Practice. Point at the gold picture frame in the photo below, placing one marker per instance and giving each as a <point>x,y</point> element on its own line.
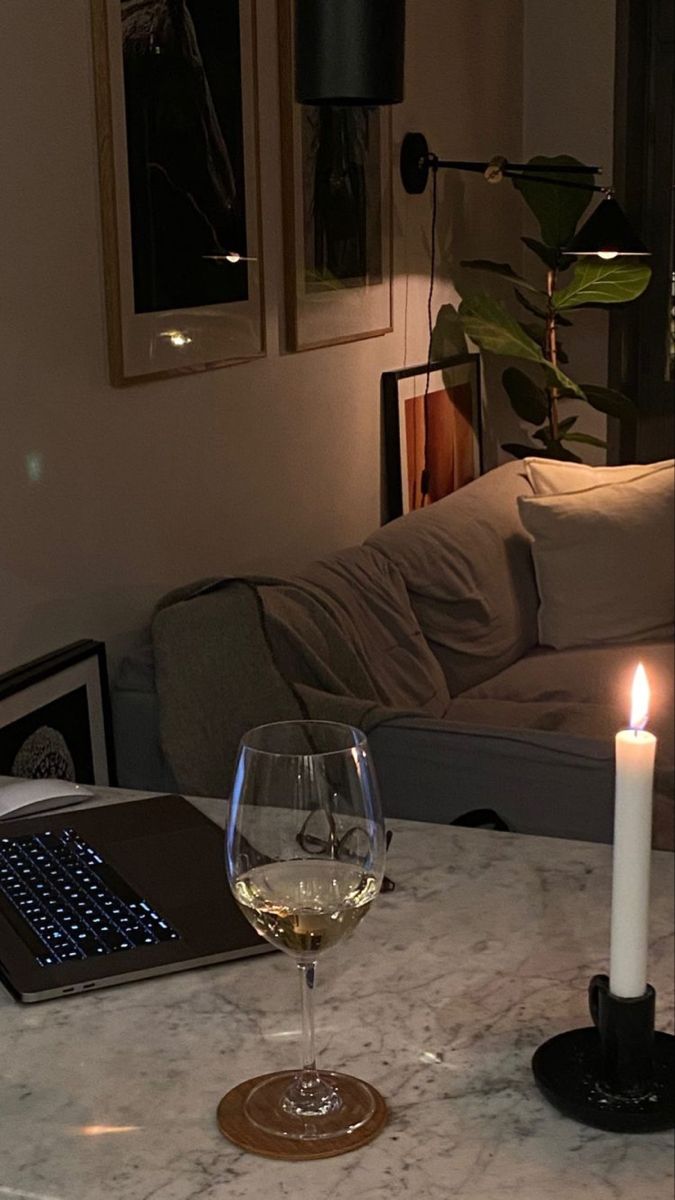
<point>179,185</point>
<point>337,206</point>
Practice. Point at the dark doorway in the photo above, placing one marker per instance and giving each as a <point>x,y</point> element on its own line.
<point>642,362</point>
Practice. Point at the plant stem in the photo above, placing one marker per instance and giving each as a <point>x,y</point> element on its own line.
<point>551,352</point>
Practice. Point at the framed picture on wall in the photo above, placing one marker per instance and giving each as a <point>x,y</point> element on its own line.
<point>336,190</point>
<point>176,101</point>
<point>55,717</point>
<point>433,431</point>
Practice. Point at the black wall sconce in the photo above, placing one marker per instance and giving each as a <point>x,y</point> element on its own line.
<point>606,233</point>
<point>349,51</point>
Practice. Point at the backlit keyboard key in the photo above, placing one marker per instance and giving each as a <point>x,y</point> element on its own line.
<point>72,901</point>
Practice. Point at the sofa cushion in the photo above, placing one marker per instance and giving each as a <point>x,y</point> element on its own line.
<point>598,675</point>
<point>548,476</point>
<point>604,560</point>
<point>467,566</point>
<point>592,677</point>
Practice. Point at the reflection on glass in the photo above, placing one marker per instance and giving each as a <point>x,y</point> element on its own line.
<point>34,467</point>
<point>177,337</point>
<point>99,1130</point>
<point>232,256</point>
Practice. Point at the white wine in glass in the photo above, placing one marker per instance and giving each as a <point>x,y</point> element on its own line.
<point>305,910</point>
<point>305,859</point>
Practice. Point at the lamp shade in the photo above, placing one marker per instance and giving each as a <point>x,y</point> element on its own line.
<point>349,51</point>
<point>606,233</point>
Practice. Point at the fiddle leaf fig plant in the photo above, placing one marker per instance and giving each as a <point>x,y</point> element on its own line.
<point>536,394</point>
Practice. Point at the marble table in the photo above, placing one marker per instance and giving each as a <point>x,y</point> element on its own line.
<point>484,950</point>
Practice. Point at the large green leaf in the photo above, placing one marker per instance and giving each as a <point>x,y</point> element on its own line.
<point>557,260</point>
<point>536,311</point>
<point>601,282</point>
<point>546,253</point>
<point>531,308</point>
<point>557,209</point>
<point>504,270</point>
<point>488,323</point>
<point>544,435</point>
<point>564,426</point>
<point>520,451</point>
<point>448,334</point>
<point>587,438</point>
<point>554,449</point>
<point>528,401</point>
<point>606,400</point>
<point>558,378</point>
<point>536,332</point>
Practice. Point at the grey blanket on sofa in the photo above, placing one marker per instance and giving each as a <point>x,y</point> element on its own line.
<point>338,643</point>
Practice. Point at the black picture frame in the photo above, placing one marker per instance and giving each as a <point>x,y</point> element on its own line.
<point>412,400</point>
<point>55,717</point>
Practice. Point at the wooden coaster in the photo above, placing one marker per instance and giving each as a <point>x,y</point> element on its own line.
<point>234,1124</point>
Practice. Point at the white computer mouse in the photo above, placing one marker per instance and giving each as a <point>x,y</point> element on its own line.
<point>23,797</point>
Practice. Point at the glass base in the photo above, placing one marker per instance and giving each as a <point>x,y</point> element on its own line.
<point>283,1134</point>
<point>329,1106</point>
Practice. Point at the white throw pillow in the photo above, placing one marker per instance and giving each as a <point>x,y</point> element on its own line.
<point>604,560</point>
<point>549,477</point>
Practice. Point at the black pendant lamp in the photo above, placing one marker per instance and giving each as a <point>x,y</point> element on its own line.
<point>349,51</point>
<point>607,233</point>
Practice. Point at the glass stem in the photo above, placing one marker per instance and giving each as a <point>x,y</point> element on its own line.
<point>309,1096</point>
<point>308,1076</point>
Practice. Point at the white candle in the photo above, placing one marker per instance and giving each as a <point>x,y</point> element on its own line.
<point>634,760</point>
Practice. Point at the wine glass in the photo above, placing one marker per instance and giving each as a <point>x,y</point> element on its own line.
<point>305,855</point>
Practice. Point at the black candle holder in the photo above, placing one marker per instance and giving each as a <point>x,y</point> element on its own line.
<point>618,1074</point>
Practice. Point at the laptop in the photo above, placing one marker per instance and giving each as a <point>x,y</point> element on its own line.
<point>94,897</point>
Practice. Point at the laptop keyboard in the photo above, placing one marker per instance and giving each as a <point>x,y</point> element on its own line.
<point>76,905</point>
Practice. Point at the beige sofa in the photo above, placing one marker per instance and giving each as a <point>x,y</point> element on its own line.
<point>429,637</point>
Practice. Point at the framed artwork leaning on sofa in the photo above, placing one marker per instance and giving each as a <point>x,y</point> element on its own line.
<point>433,432</point>
<point>55,717</point>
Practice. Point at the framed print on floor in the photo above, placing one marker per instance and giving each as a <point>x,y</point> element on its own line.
<point>433,431</point>
<point>176,101</point>
<point>336,190</point>
<point>55,717</point>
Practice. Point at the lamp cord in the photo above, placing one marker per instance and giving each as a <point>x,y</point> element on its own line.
<point>426,472</point>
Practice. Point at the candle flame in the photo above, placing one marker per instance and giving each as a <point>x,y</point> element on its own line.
<point>639,699</point>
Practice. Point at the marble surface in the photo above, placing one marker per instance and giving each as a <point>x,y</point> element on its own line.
<point>484,950</point>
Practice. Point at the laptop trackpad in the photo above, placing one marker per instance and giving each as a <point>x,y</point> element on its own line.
<point>173,870</point>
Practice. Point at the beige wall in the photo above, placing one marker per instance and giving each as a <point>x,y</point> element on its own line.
<point>110,497</point>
